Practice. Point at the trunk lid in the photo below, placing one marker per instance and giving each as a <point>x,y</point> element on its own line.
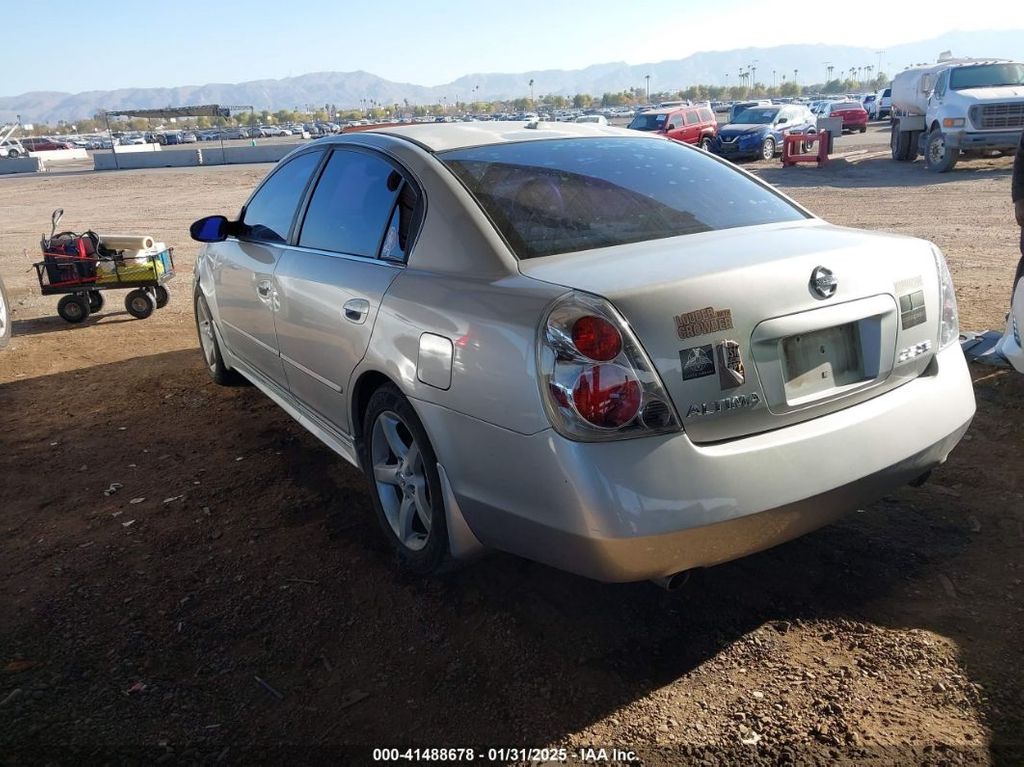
<point>737,332</point>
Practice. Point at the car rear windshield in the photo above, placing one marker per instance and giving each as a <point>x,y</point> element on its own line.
<point>565,195</point>
<point>847,105</point>
<point>987,76</point>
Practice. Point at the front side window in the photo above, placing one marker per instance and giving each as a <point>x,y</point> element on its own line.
<point>352,204</point>
<point>564,195</point>
<point>268,216</point>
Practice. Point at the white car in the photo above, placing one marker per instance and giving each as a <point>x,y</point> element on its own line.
<point>12,148</point>
<point>1010,345</point>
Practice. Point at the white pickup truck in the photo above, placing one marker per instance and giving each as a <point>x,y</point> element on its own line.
<point>956,106</point>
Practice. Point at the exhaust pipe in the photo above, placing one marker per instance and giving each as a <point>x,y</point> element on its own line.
<point>672,582</point>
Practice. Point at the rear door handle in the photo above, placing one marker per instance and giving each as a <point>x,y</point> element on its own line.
<point>263,289</point>
<point>356,310</point>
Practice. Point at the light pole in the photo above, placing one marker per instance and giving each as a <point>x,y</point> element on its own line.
<point>879,53</point>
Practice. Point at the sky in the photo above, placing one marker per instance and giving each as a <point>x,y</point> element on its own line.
<point>145,44</point>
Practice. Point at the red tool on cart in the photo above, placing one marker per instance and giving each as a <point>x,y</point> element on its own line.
<point>82,266</point>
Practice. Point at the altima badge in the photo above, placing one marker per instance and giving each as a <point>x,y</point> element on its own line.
<point>823,282</point>
<point>739,402</point>
<point>730,365</point>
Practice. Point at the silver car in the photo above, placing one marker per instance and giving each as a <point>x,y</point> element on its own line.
<point>592,347</point>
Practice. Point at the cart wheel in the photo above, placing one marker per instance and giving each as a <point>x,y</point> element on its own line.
<point>96,301</point>
<point>73,308</point>
<point>163,296</point>
<point>139,304</point>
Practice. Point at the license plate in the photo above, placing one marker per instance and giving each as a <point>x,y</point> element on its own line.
<point>822,360</point>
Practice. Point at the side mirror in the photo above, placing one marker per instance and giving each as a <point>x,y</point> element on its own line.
<point>210,229</point>
<point>782,120</point>
<point>56,217</point>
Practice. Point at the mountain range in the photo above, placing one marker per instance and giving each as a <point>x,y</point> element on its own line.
<point>804,63</point>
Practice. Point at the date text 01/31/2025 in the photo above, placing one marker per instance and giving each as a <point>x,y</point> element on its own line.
<point>588,755</point>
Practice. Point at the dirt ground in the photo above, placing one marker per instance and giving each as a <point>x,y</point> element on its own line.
<point>234,601</point>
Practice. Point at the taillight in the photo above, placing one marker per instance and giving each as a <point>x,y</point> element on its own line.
<point>597,383</point>
<point>596,338</point>
<point>607,396</point>
<point>949,314</point>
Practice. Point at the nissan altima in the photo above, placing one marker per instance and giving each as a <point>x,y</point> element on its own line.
<point>591,347</point>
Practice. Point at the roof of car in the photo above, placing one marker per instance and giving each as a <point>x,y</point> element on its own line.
<point>441,137</point>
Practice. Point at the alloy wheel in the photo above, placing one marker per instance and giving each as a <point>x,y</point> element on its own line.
<point>399,473</point>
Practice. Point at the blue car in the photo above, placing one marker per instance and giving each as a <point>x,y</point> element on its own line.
<point>758,131</point>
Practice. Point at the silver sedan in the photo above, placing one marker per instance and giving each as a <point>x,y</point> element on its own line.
<point>594,348</point>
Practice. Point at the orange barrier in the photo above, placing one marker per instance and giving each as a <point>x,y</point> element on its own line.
<point>792,148</point>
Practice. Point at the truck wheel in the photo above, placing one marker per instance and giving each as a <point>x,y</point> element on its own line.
<point>939,157</point>
<point>705,143</point>
<point>899,144</point>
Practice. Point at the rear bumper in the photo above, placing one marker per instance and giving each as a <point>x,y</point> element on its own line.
<point>646,508</point>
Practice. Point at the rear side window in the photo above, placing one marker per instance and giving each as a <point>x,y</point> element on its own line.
<point>707,115</point>
<point>564,195</point>
<point>352,205</point>
<point>269,214</point>
<point>692,118</point>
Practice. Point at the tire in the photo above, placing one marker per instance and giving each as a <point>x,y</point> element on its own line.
<point>73,308</point>
<point>808,146</point>
<point>139,303</point>
<point>221,374</point>
<point>96,301</point>
<point>900,144</point>
<point>768,149</point>
<point>864,130</point>
<point>14,154</point>
<point>163,296</point>
<point>938,157</point>
<point>405,488</point>
<point>705,143</point>
<point>5,317</point>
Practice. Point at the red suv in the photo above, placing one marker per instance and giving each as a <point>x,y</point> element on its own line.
<point>689,124</point>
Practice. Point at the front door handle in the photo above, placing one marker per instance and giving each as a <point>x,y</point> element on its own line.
<point>356,310</point>
<point>264,289</point>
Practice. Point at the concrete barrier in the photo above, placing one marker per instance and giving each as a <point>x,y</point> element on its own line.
<point>184,158</point>
<point>177,159</point>
<point>132,148</point>
<point>58,155</point>
<point>21,165</point>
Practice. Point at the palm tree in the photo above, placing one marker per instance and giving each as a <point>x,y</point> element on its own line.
<point>531,91</point>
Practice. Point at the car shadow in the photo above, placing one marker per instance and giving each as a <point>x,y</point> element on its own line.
<point>191,538</point>
<point>40,325</point>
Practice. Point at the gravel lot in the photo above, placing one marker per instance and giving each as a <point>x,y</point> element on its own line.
<point>239,550</point>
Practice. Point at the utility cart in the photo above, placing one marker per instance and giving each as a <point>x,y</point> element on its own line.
<point>81,269</point>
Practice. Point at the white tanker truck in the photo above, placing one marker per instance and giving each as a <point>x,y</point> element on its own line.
<point>955,106</point>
